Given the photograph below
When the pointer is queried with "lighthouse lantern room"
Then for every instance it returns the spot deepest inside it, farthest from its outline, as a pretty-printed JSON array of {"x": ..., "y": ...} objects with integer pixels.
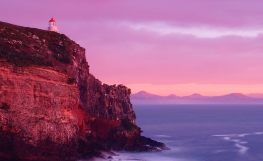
[{"x": 52, "y": 25}]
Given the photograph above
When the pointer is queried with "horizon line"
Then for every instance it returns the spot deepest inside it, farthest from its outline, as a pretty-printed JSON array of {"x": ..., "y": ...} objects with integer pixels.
[{"x": 196, "y": 93}]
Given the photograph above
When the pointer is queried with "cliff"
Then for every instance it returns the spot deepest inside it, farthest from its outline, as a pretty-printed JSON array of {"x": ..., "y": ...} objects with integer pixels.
[{"x": 52, "y": 108}]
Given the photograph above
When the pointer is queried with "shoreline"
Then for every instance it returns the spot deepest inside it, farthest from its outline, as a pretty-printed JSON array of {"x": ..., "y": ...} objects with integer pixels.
[{"x": 112, "y": 156}]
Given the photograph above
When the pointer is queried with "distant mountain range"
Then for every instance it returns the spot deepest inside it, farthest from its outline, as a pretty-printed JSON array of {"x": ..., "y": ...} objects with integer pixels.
[{"x": 144, "y": 97}]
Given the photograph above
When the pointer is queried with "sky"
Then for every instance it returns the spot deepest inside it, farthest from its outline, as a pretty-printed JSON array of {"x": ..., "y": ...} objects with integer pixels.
[{"x": 181, "y": 47}]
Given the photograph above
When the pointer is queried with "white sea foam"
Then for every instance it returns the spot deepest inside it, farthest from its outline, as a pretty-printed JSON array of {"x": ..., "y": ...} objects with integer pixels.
[
  {"x": 226, "y": 138},
  {"x": 123, "y": 158},
  {"x": 238, "y": 143},
  {"x": 166, "y": 155},
  {"x": 258, "y": 133},
  {"x": 225, "y": 135},
  {"x": 163, "y": 136},
  {"x": 220, "y": 151},
  {"x": 243, "y": 135},
  {"x": 112, "y": 156},
  {"x": 115, "y": 158},
  {"x": 235, "y": 140},
  {"x": 239, "y": 135},
  {"x": 242, "y": 149},
  {"x": 235, "y": 135}
]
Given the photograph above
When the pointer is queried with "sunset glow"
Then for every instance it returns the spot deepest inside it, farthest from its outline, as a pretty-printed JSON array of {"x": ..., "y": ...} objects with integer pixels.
[{"x": 163, "y": 47}]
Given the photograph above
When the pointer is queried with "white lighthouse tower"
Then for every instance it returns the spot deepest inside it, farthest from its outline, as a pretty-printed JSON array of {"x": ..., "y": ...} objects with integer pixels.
[{"x": 52, "y": 25}]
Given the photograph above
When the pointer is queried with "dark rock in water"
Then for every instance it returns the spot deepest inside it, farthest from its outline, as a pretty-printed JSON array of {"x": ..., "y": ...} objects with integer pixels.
[
  {"x": 147, "y": 144},
  {"x": 52, "y": 108}
]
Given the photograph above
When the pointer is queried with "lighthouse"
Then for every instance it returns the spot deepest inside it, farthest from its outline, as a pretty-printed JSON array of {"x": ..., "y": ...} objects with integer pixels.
[{"x": 52, "y": 25}]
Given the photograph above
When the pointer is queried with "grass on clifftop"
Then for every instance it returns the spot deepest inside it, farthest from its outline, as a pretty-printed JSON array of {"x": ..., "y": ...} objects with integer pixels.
[{"x": 26, "y": 46}]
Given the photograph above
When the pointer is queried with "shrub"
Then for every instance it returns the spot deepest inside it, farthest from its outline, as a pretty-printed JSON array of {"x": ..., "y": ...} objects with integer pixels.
[
  {"x": 71, "y": 80},
  {"x": 4, "y": 106},
  {"x": 18, "y": 46},
  {"x": 127, "y": 125}
]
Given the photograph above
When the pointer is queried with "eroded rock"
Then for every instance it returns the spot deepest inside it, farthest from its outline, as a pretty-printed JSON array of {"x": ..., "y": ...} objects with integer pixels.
[{"x": 52, "y": 108}]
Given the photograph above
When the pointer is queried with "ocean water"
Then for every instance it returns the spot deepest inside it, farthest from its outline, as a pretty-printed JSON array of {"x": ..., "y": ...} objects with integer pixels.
[{"x": 202, "y": 132}]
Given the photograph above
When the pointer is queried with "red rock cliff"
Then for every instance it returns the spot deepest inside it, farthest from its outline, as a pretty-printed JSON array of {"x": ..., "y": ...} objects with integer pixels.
[
  {"x": 51, "y": 107},
  {"x": 38, "y": 108}
]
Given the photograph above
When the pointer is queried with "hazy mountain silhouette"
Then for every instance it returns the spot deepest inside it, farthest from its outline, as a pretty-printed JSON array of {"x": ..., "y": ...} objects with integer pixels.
[
  {"x": 144, "y": 97},
  {"x": 195, "y": 95},
  {"x": 255, "y": 95}
]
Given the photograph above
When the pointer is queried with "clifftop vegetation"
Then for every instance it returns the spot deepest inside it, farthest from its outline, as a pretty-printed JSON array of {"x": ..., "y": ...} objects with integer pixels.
[{"x": 26, "y": 46}]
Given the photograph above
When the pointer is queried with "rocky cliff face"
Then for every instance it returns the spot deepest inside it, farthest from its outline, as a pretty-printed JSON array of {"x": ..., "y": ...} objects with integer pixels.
[
  {"x": 109, "y": 101},
  {"x": 38, "y": 108},
  {"x": 52, "y": 107}
]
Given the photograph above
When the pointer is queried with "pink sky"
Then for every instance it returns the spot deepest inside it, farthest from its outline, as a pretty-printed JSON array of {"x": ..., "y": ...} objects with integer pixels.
[{"x": 160, "y": 46}]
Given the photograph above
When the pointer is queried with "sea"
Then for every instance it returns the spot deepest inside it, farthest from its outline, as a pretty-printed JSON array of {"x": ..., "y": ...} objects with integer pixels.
[{"x": 202, "y": 132}]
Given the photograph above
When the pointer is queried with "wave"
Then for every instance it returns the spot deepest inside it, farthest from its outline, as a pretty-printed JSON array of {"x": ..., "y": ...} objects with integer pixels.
[
  {"x": 115, "y": 158},
  {"x": 163, "y": 136},
  {"x": 242, "y": 149},
  {"x": 238, "y": 143},
  {"x": 258, "y": 133}
]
